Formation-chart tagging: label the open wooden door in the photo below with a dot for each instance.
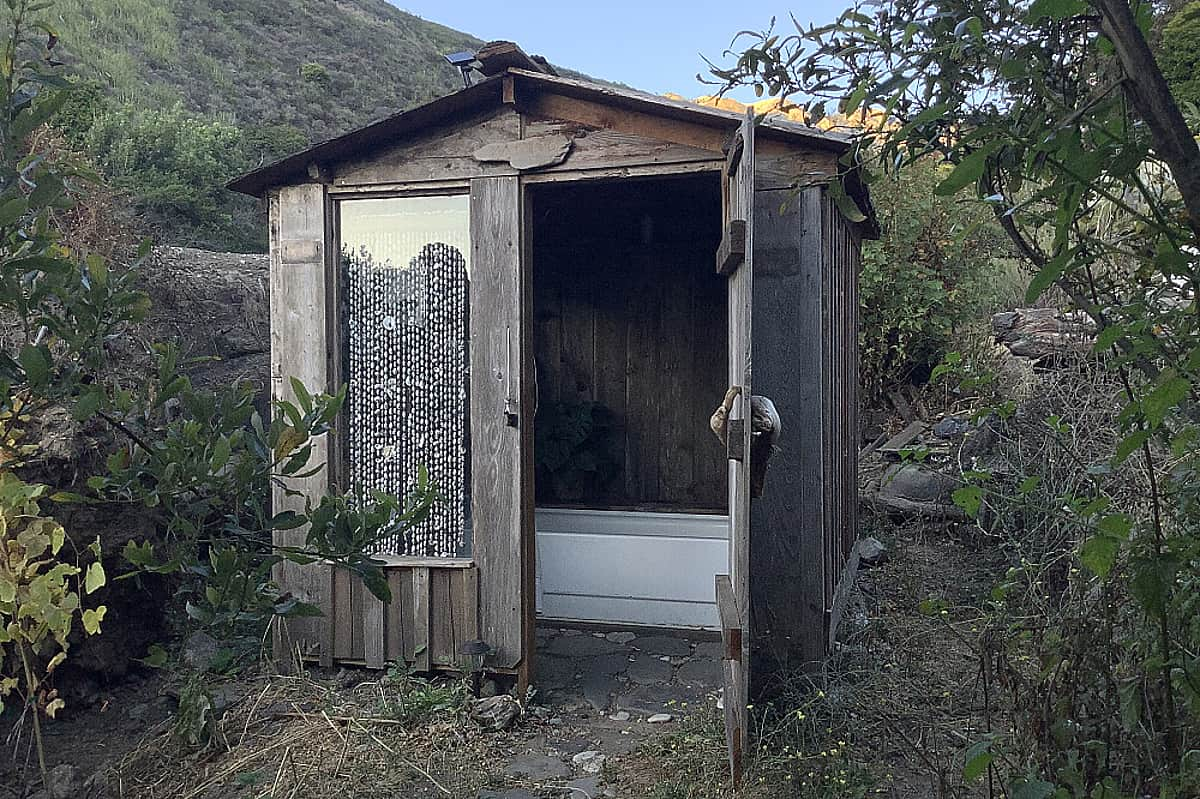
(501, 422)
(733, 590)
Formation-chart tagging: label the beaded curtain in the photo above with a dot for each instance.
(408, 377)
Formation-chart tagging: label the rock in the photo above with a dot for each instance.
(583, 788)
(537, 767)
(951, 427)
(871, 552)
(582, 646)
(712, 650)
(647, 671)
(620, 715)
(662, 645)
(910, 489)
(589, 762)
(223, 697)
(660, 718)
(495, 712)
(980, 439)
(598, 690)
(700, 671)
(511, 793)
(63, 782)
(489, 689)
(620, 637)
(200, 650)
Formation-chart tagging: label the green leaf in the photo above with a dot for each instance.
(1129, 444)
(1099, 553)
(967, 171)
(92, 618)
(94, 578)
(302, 395)
(35, 361)
(1051, 271)
(969, 498)
(1170, 391)
(156, 657)
(289, 439)
(220, 455)
(1031, 788)
(845, 203)
(976, 760)
(1055, 9)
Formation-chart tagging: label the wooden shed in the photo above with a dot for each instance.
(542, 288)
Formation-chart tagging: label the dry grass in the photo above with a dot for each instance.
(298, 737)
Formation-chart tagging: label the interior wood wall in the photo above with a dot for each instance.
(640, 329)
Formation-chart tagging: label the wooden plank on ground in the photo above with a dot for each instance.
(902, 440)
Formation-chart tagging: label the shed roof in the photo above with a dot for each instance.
(473, 99)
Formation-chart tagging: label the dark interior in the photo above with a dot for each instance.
(630, 340)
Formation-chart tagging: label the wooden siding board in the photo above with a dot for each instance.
(496, 446)
(445, 152)
(441, 636)
(299, 231)
(788, 530)
(421, 599)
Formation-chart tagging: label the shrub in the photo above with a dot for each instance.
(936, 267)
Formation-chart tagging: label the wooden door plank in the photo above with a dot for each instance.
(497, 354)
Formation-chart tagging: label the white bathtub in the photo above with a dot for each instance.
(630, 567)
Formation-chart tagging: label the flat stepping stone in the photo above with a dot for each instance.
(649, 699)
(621, 637)
(713, 650)
(584, 788)
(510, 793)
(582, 646)
(663, 645)
(649, 670)
(700, 672)
(537, 767)
(598, 690)
(552, 672)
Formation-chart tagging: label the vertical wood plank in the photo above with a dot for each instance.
(357, 612)
(676, 368)
(394, 624)
(497, 469)
(299, 239)
(408, 634)
(373, 630)
(343, 621)
(422, 656)
(441, 635)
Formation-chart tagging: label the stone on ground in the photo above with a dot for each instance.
(589, 762)
(660, 718)
(537, 767)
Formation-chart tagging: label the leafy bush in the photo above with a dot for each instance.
(1179, 53)
(934, 269)
(312, 72)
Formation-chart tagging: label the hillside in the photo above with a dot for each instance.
(175, 97)
(322, 66)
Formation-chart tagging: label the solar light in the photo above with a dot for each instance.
(463, 59)
(475, 652)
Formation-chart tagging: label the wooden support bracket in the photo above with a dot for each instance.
(732, 252)
(731, 619)
(733, 154)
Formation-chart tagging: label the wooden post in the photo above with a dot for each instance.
(498, 415)
(300, 235)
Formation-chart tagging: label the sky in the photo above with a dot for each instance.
(653, 46)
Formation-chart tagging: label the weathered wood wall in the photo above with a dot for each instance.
(433, 612)
(637, 327)
(805, 359)
(841, 255)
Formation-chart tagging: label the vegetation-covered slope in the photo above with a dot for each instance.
(180, 95)
(322, 66)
